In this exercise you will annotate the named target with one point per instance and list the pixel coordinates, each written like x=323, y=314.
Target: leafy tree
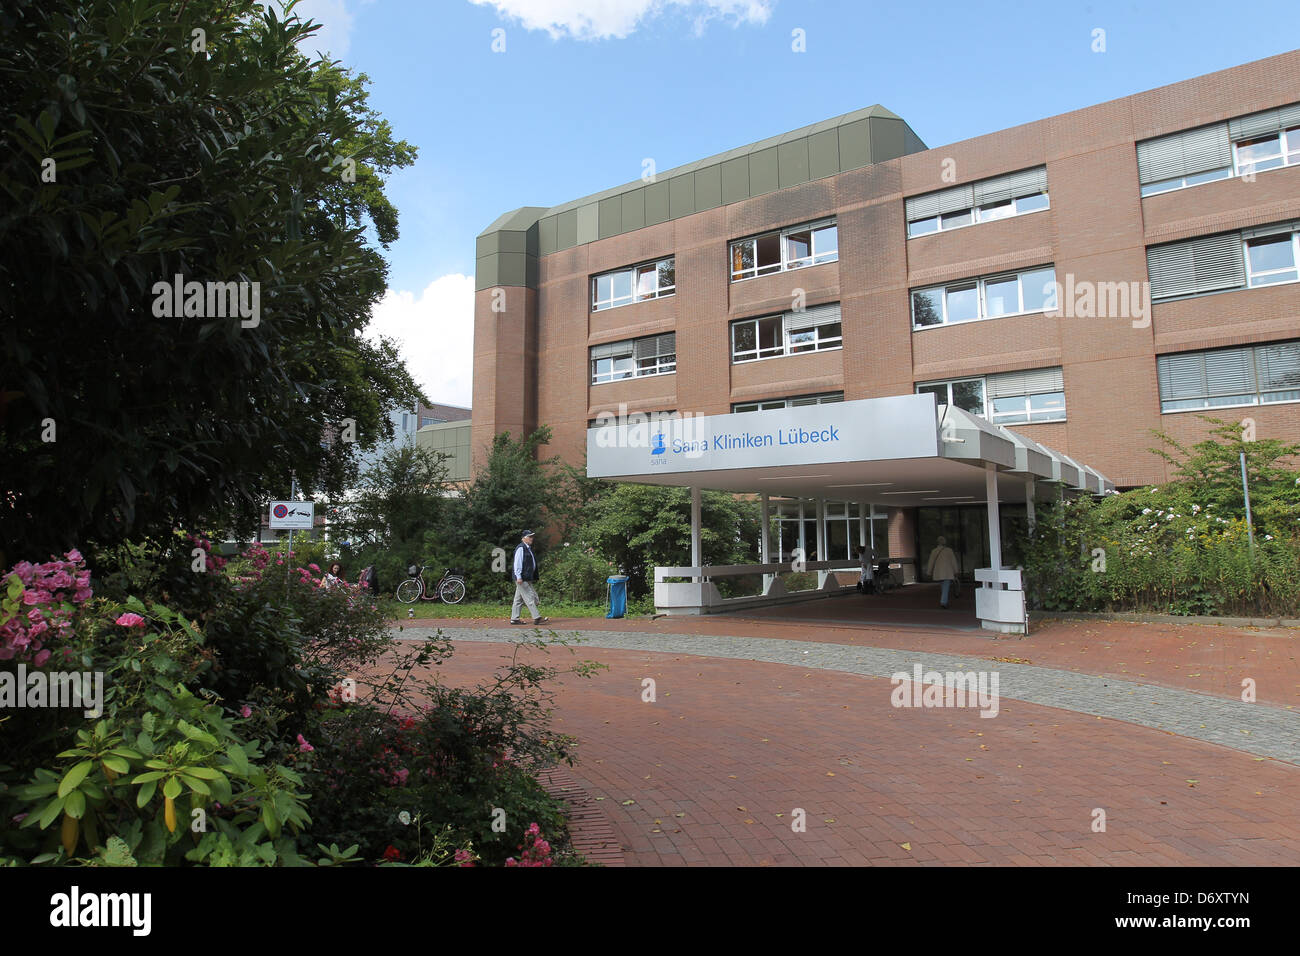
x=138, y=151
x=640, y=526
x=1209, y=473
x=399, y=502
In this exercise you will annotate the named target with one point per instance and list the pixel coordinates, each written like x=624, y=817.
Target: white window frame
x=601, y=305
x=1026, y=417
x=982, y=298
x=787, y=262
x=796, y=401
x=948, y=383
x=1207, y=402
x=625, y=366
x=1288, y=140
x=976, y=215
x=1280, y=137
x=1186, y=182
x=828, y=344
x=1295, y=261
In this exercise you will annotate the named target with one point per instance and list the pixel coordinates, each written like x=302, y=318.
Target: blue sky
x=585, y=90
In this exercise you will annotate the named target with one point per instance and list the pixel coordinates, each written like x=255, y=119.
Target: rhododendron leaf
x=116, y=764
x=207, y=773
x=48, y=815
x=172, y=788
x=197, y=785
x=74, y=777
x=238, y=759
x=75, y=805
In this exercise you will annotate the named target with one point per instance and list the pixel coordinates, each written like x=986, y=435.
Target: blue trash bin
x=617, y=595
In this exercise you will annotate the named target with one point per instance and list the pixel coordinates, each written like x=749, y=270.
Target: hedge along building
x=1085, y=279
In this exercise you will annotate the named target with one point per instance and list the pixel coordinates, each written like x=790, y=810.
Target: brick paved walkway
x=746, y=731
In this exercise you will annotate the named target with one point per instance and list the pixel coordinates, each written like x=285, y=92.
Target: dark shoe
x=541, y=620
x=943, y=606
x=516, y=621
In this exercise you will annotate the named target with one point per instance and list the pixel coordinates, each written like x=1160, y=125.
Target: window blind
x=1230, y=372
x=611, y=350
x=936, y=204
x=828, y=314
x=1032, y=382
x=1264, y=122
x=1184, y=154
x=1204, y=264
x=1182, y=376
x=657, y=346
x=1279, y=366
x=1027, y=182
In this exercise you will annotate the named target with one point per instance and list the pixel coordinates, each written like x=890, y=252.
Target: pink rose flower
x=247, y=711
x=130, y=619
x=303, y=746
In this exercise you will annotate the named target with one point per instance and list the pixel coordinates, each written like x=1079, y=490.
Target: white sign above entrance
x=875, y=429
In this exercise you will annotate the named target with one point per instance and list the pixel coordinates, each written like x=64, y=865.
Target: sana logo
x=657, y=448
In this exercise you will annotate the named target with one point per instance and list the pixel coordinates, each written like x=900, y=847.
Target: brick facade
x=531, y=358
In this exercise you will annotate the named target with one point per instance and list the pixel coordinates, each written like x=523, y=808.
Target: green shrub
x=576, y=574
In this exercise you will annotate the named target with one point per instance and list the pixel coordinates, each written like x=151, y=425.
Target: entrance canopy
x=901, y=451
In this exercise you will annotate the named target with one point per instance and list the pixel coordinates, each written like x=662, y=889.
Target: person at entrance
x=942, y=567
x=525, y=575
x=866, y=582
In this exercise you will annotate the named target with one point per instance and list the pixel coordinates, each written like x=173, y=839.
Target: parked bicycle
x=450, y=588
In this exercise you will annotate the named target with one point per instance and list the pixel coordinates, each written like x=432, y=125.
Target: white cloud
x=335, y=34
x=436, y=334
x=603, y=19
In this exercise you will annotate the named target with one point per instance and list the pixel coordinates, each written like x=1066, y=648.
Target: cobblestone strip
x=1253, y=728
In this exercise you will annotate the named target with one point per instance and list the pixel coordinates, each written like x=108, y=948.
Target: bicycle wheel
x=452, y=591
x=408, y=592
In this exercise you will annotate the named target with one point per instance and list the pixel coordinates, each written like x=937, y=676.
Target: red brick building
x=1084, y=279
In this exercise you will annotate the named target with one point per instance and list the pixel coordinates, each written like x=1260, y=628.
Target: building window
x=651, y=280
x=634, y=358
x=793, y=248
x=1267, y=152
x=966, y=393
x=1251, y=375
x=822, y=399
x=1007, y=398
x=1240, y=147
x=991, y=297
x=1268, y=255
x=985, y=201
x=1272, y=259
x=815, y=329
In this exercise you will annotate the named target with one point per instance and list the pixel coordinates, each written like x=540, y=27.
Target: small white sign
x=292, y=514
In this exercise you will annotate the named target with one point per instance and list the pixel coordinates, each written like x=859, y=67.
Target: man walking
x=525, y=573
x=942, y=566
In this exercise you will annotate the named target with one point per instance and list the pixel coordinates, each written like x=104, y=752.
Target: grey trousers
x=525, y=593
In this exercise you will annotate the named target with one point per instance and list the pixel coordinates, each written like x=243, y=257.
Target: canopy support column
x=821, y=539
x=695, y=526
x=995, y=518
x=764, y=556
